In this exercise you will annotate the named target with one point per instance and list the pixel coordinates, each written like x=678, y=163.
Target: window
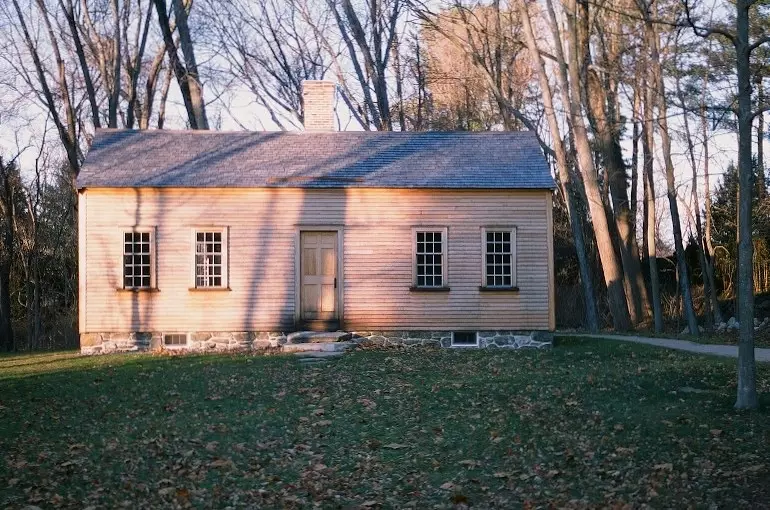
x=499, y=257
x=137, y=260
x=210, y=258
x=175, y=339
x=465, y=339
x=430, y=258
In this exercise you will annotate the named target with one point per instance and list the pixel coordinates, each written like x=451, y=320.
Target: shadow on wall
x=361, y=169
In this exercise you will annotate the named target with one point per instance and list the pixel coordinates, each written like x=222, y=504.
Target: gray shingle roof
x=187, y=159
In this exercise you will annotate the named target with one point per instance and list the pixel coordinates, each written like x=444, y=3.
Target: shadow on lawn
x=67, y=364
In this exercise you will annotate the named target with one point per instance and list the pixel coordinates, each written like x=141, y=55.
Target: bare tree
x=369, y=37
x=565, y=175
x=689, y=140
x=477, y=65
x=67, y=126
x=743, y=45
x=569, y=81
x=186, y=75
x=270, y=49
x=650, y=212
x=649, y=12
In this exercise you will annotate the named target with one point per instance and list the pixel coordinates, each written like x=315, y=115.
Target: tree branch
x=705, y=31
x=759, y=42
x=760, y=111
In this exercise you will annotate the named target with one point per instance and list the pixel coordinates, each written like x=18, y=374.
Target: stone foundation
x=103, y=343
x=487, y=339
x=218, y=341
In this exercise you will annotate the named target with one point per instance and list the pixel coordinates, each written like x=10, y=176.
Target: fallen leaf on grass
x=222, y=463
x=395, y=446
x=448, y=486
x=459, y=499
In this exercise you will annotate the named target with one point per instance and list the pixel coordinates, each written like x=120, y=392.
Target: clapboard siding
x=262, y=223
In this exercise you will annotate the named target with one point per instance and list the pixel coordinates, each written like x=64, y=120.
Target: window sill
x=210, y=289
x=428, y=289
x=138, y=290
x=498, y=289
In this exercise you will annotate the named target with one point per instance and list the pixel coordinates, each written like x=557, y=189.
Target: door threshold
x=318, y=325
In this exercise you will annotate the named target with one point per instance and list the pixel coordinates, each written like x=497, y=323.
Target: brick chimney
x=318, y=102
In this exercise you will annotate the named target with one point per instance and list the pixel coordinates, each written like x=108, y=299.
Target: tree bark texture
x=746, y=397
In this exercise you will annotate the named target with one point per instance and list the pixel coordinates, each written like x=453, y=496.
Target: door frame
x=339, y=230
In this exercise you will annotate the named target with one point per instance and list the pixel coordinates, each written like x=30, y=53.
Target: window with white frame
x=430, y=258
x=210, y=258
x=465, y=339
x=499, y=257
x=137, y=259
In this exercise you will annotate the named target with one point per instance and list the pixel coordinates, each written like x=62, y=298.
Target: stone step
x=305, y=337
x=318, y=347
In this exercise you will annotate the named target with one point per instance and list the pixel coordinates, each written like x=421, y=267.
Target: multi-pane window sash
x=430, y=259
x=209, y=262
x=499, y=258
x=137, y=260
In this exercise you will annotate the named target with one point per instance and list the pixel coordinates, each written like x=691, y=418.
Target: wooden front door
x=318, y=276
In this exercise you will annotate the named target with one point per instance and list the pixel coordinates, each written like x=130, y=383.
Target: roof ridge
x=523, y=132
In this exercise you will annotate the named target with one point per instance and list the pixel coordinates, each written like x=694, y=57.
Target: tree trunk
x=570, y=86
x=114, y=96
x=67, y=134
x=164, y=98
x=761, y=184
x=565, y=175
x=747, y=384
x=396, y=49
x=635, y=134
x=150, y=87
x=648, y=150
x=707, y=239
x=179, y=71
x=191, y=65
x=665, y=140
x=699, y=245
x=6, y=328
x=6, y=256
x=609, y=145
x=135, y=70
x=84, y=68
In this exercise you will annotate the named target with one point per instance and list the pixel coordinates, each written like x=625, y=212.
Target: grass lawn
x=585, y=423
